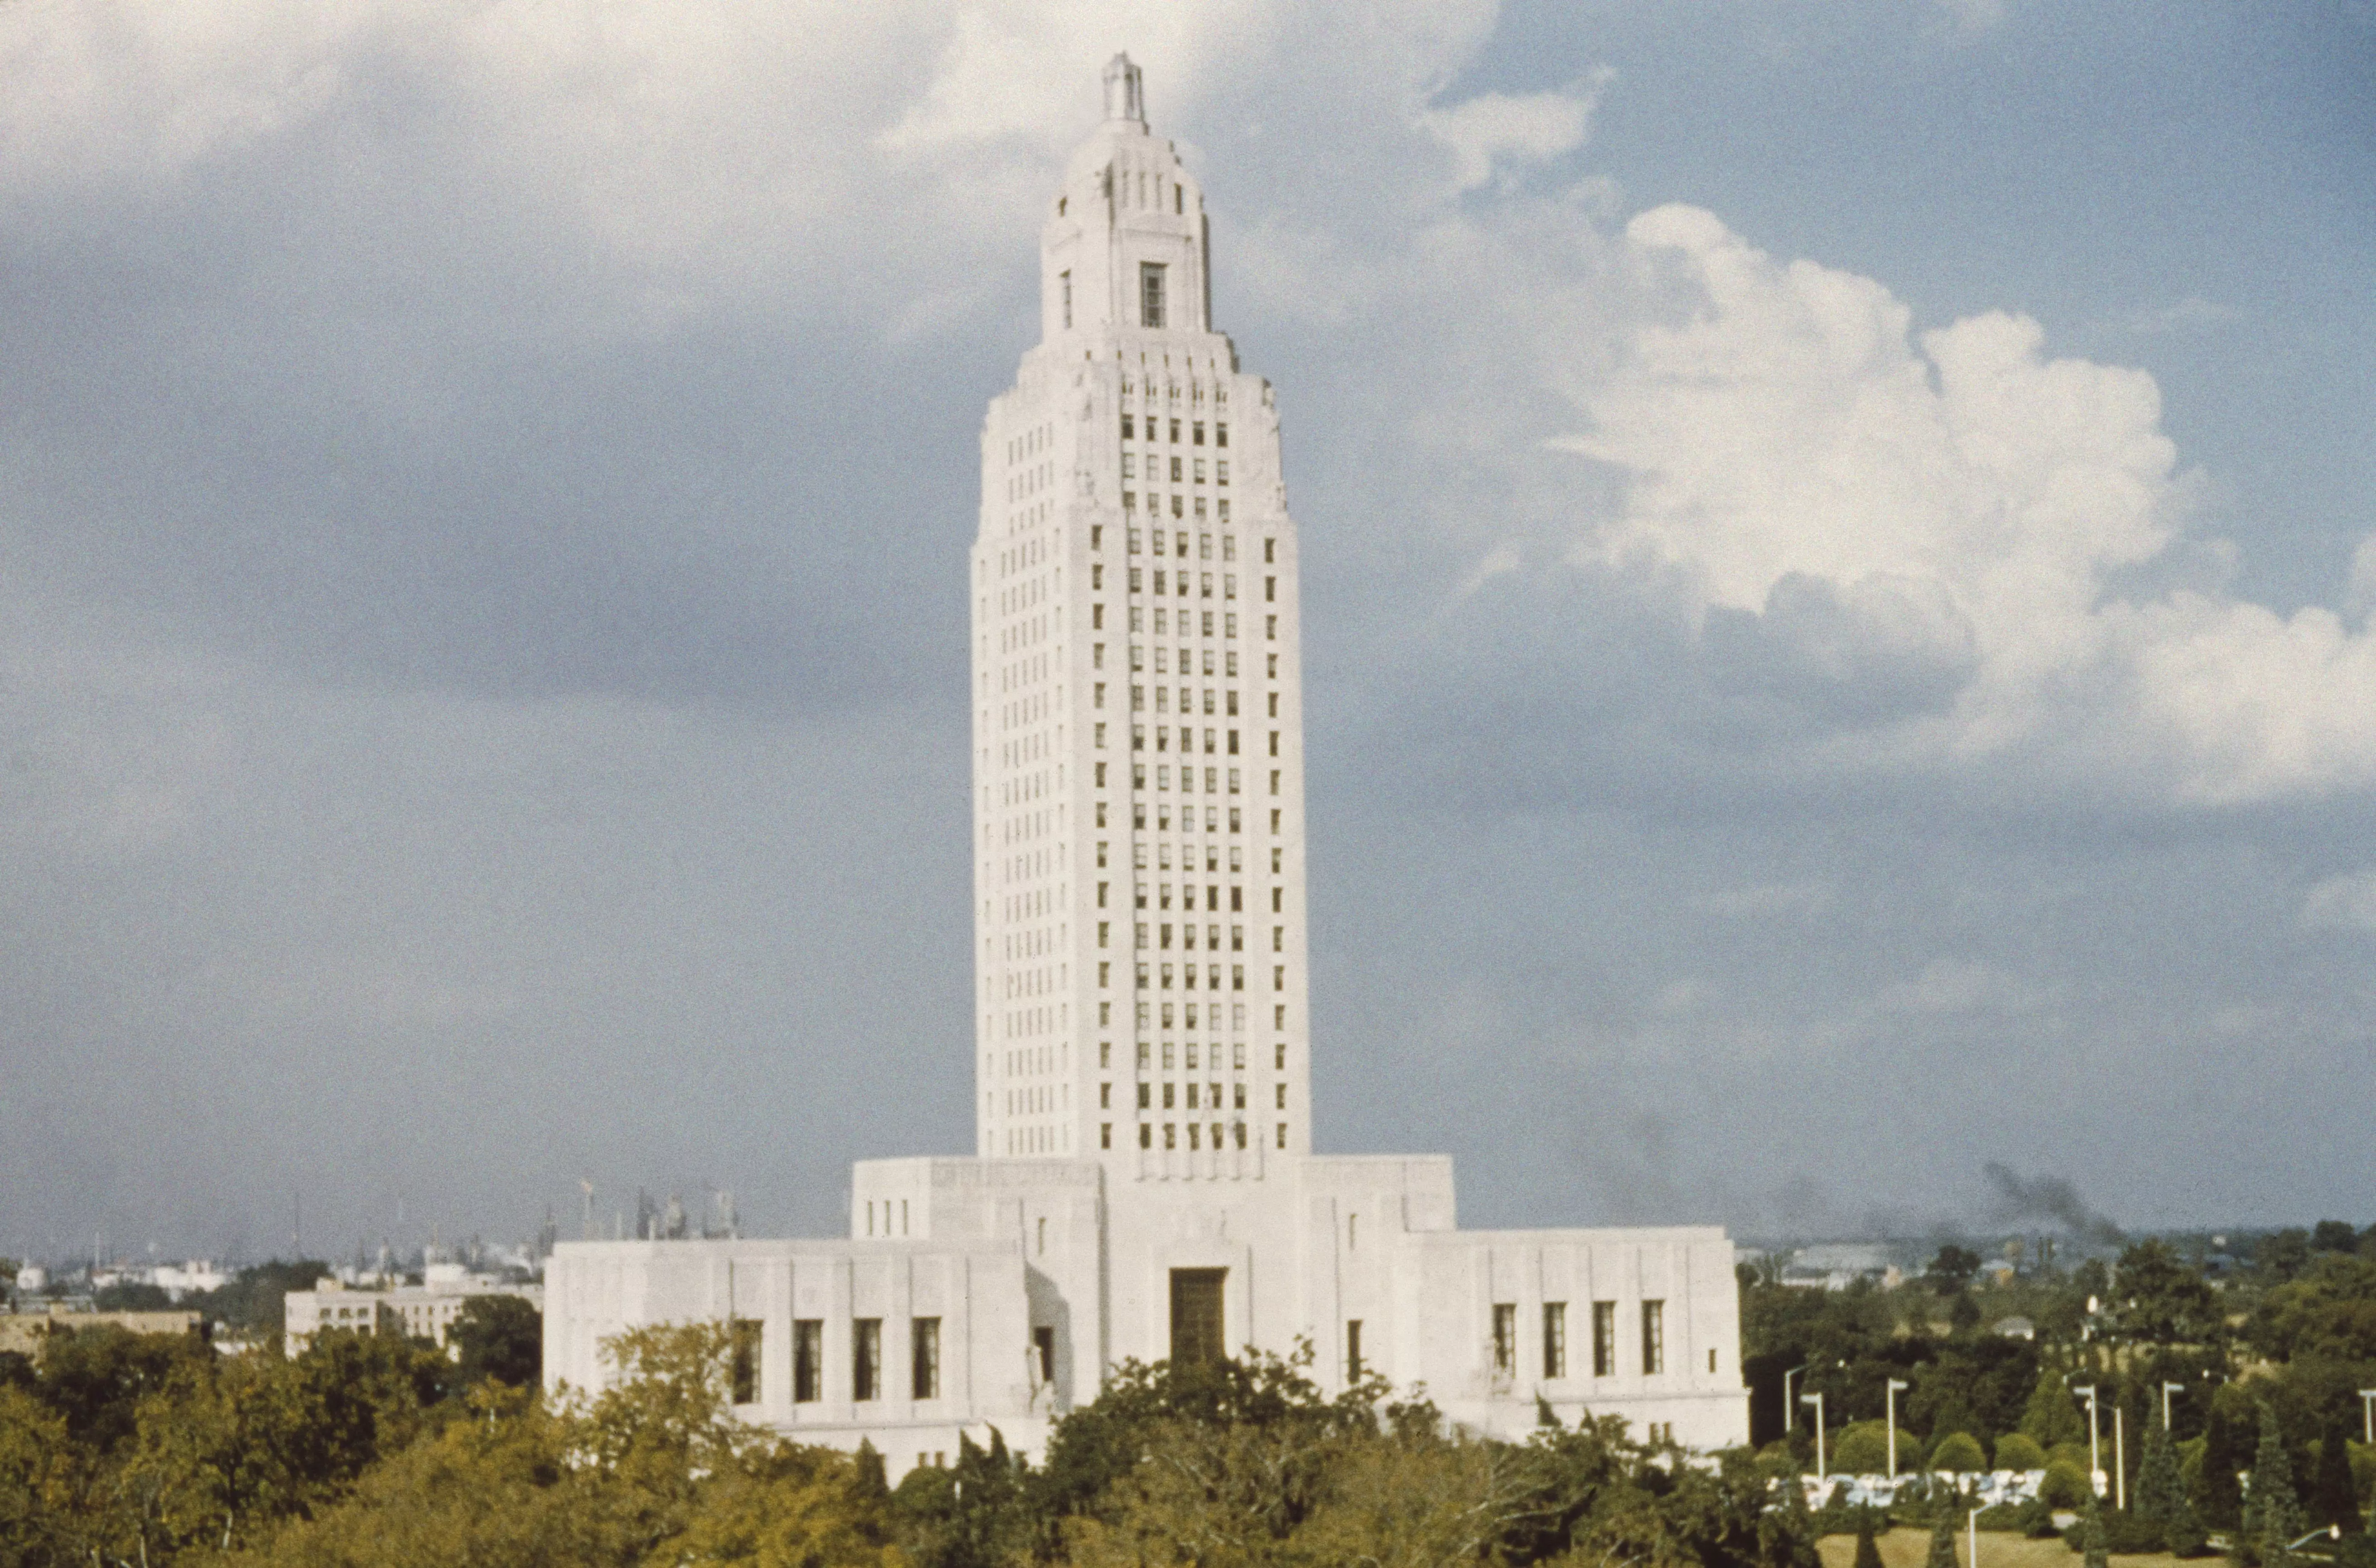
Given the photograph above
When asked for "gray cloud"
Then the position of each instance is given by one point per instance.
(481, 623)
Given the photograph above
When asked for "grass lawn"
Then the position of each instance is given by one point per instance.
(1911, 1548)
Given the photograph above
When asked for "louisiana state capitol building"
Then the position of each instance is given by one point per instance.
(1143, 1184)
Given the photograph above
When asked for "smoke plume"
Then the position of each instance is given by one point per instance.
(2050, 1197)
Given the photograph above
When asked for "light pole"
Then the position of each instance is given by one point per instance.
(2095, 1444)
(2368, 1412)
(1821, 1473)
(2169, 1388)
(1891, 1396)
(1791, 1411)
(1972, 1535)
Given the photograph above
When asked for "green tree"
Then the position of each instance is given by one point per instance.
(1868, 1550)
(2273, 1511)
(499, 1337)
(2160, 1298)
(1943, 1540)
(1952, 1271)
(2219, 1497)
(2330, 1311)
(41, 1484)
(2052, 1416)
(1862, 1449)
(2019, 1451)
(2091, 1533)
(2334, 1499)
(254, 1298)
(128, 1296)
(2161, 1494)
(1960, 1453)
(1963, 1312)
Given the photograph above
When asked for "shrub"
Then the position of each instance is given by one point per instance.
(2065, 1485)
(2019, 1451)
(2072, 1453)
(1863, 1449)
(1959, 1452)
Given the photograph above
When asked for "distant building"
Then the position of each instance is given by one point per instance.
(189, 1277)
(2016, 1328)
(410, 1311)
(23, 1332)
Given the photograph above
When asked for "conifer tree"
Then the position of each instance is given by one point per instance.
(1868, 1552)
(2218, 1501)
(2273, 1511)
(2160, 1493)
(1943, 1539)
(2053, 1415)
(2334, 1499)
(2091, 1534)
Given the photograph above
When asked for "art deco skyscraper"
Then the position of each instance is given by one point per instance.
(1138, 762)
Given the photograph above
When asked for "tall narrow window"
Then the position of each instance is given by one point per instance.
(745, 1341)
(808, 1361)
(1505, 1336)
(1604, 1339)
(1065, 278)
(866, 1359)
(1353, 1349)
(1653, 1338)
(924, 1348)
(1554, 1339)
(1043, 1353)
(1150, 294)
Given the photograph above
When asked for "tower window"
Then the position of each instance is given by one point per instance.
(1150, 294)
(866, 1359)
(1505, 1336)
(1065, 280)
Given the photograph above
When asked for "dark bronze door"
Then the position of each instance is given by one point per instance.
(1196, 1315)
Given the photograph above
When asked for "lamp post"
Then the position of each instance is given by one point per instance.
(1891, 1396)
(2169, 1388)
(1821, 1473)
(2367, 1413)
(1789, 1411)
(1972, 1535)
(2095, 1444)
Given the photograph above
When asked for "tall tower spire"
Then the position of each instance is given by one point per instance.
(1138, 801)
(1125, 95)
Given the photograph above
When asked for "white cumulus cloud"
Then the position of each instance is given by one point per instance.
(1794, 451)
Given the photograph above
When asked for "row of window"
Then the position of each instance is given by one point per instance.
(1188, 975)
(1222, 661)
(1604, 1339)
(1156, 540)
(1198, 1134)
(1188, 937)
(1212, 1052)
(1155, 427)
(1183, 470)
(1147, 1011)
(1180, 507)
(1212, 1097)
(1171, 389)
(866, 1370)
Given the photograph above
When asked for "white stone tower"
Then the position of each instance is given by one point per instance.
(1139, 757)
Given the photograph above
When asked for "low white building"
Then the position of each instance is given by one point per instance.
(410, 1311)
(1143, 1184)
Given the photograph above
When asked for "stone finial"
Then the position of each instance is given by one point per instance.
(1125, 94)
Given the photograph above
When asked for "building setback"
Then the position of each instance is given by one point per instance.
(1143, 1184)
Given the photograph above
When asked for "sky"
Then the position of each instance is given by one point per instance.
(1837, 557)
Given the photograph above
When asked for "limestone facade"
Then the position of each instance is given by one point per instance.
(1143, 1184)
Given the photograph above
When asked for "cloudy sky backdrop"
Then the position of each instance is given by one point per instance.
(1838, 555)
